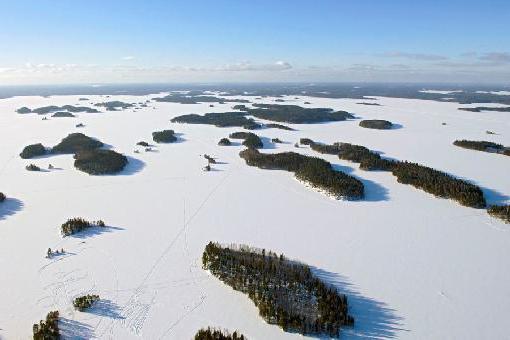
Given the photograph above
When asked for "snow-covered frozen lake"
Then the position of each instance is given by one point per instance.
(413, 266)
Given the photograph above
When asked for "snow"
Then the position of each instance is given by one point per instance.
(500, 93)
(414, 266)
(440, 91)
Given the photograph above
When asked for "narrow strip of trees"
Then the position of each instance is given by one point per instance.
(286, 292)
(78, 224)
(217, 334)
(484, 146)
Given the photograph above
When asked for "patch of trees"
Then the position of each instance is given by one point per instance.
(33, 150)
(32, 167)
(279, 126)
(47, 329)
(427, 179)
(62, 114)
(483, 146)
(53, 108)
(224, 142)
(217, 334)
(297, 114)
(83, 303)
(142, 143)
(484, 108)
(312, 170)
(251, 140)
(370, 104)
(276, 140)
(76, 142)
(378, 124)
(220, 119)
(114, 105)
(195, 99)
(77, 224)
(165, 136)
(500, 211)
(99, 161)
(2, 197)
(286, 292)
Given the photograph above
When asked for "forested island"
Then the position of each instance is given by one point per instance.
(219, 119)
(485, 108)
(484, 146)
(378, 124)
(114, 105)
(99, 161)
(224, 142)
(195, 99)
(296, 114)
(63, 114)
(33, 150)
(165, 136)
(217, 334)
(286, 292)
(279, 126)
(53, 108)
(314, 171)
(82, 303)
(250, 140)
(76, 142)
(78, 224)
(427, 179)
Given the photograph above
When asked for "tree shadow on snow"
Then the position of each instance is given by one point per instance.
(372, 319)
(374, 192)
(9, 207)
(93, 231)
(494, 197)
(134, 166)
(106, 308)
(72, 329)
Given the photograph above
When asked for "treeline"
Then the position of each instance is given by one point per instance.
(82, 303)
(314, 171)
(483, 146)
(77, 224)
(217, 334)
(47, 329)
(251, 140)
(296, 114)
(165, 136)
(500, 211)
(286, 292)
(378, 124)
(427, 179)
(219, 119)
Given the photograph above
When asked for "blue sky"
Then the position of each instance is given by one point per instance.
(60, 41)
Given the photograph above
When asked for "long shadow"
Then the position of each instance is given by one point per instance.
(268, 144)
(134, 166)
(494, 197)
(106, 308)
(374, 192)
(94, 231)
(9, 207)
(72, 329)
(372, 319)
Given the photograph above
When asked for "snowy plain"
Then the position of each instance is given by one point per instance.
(413, 266)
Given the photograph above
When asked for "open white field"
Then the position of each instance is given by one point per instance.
(413, 266)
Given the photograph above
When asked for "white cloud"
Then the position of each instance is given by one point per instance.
(414, 56)
(129, 57)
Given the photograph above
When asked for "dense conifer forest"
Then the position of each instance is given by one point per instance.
(217, 334)
(378, 124)
(33, 150)
(251, 140)
(47, 329)
(83, 303)
(500, 211)
(165, 136)
(483, 146)
(224, 142)
(314, 171)
(99, 161)
(53, 108)
(220, 119)
(77, 224)
(296, 114)
(286, 292)
(75, 142)
(427, 179)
